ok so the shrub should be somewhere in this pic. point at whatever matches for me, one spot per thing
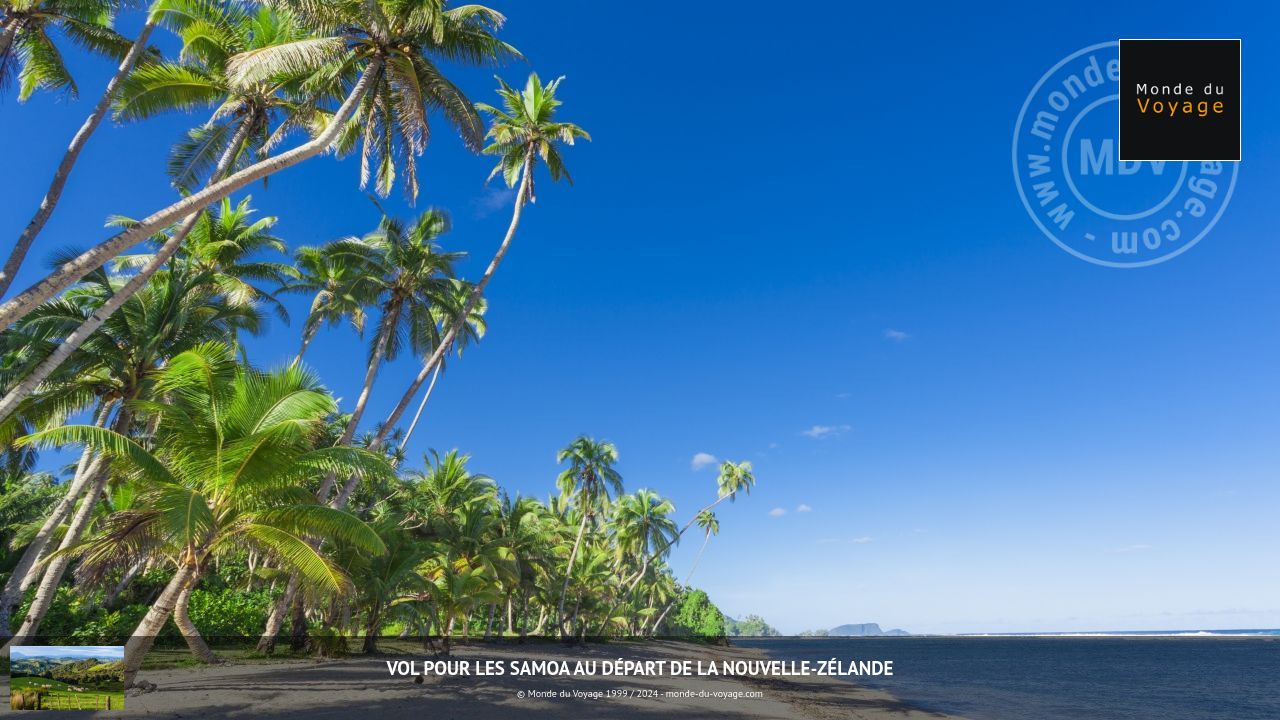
(696, 616)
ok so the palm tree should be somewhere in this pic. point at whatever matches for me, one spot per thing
(233, 446)
(446, 487)
(588, 482)
(524, 530)
(88, 24)
(641, 524)
(340, 276)
(473, 330)
(24, 498)
(383, 579)
(258, 114)
(732, 479)
(26, 43)
(413, 280)
(520, 135)
(215, 35)
(174, 313)
(710, 526)
(385, 46)
(225, 244)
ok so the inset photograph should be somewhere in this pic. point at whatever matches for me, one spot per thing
(66, 677)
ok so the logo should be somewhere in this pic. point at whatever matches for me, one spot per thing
(1071, 180)
(1180, 100)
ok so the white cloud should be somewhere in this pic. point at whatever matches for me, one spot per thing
(843, 395)
(777, 512)
(803, 508)
(702, 459)
(862, 540)
(819, 432)
(493, 199)
(896, 335)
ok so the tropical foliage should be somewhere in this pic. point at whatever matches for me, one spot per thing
(211, 494)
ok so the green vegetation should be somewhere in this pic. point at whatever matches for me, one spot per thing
(696, 616)
(216, 495)
(59, 695)
(750, 626)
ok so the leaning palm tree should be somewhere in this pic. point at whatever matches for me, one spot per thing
(732, 479)
(27, 31)
(641, 524)
(175, 312)
(384, 47)
(248, 118)
(473, 330)
(710, 526)
(413, 279)
(588, 482)
(233, 446)
(340, 278)
(522, 133)
(88, 24)
(226, 244)
(211, 33)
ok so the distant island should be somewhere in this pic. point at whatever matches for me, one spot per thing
(856, 630)
(750, 626)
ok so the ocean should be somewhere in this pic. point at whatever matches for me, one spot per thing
(1230, 675)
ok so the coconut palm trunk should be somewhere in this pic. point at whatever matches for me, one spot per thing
(697, 559)
(72, 342)
(78, 141)
(48, 587)
(45, 592)
(389, 320)
(688, 525)
(144, 636)
(114, 594)
(568, 573)
(27, 570)
(275, 619)
(523, 194)
(308, 335)
(298, 637)
(421, 406)
(631, 586)
(190, 633)
(8, 31)
(95, 257)
(658, 623)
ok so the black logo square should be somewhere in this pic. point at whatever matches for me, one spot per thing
(1180, 100)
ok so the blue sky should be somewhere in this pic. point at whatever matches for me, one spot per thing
(101, 652)
(796, 240)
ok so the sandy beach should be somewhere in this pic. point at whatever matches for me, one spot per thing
(357, 686)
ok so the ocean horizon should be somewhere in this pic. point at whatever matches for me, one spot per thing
(1146, 675)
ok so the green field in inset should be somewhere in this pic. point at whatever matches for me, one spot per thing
(59, 695)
